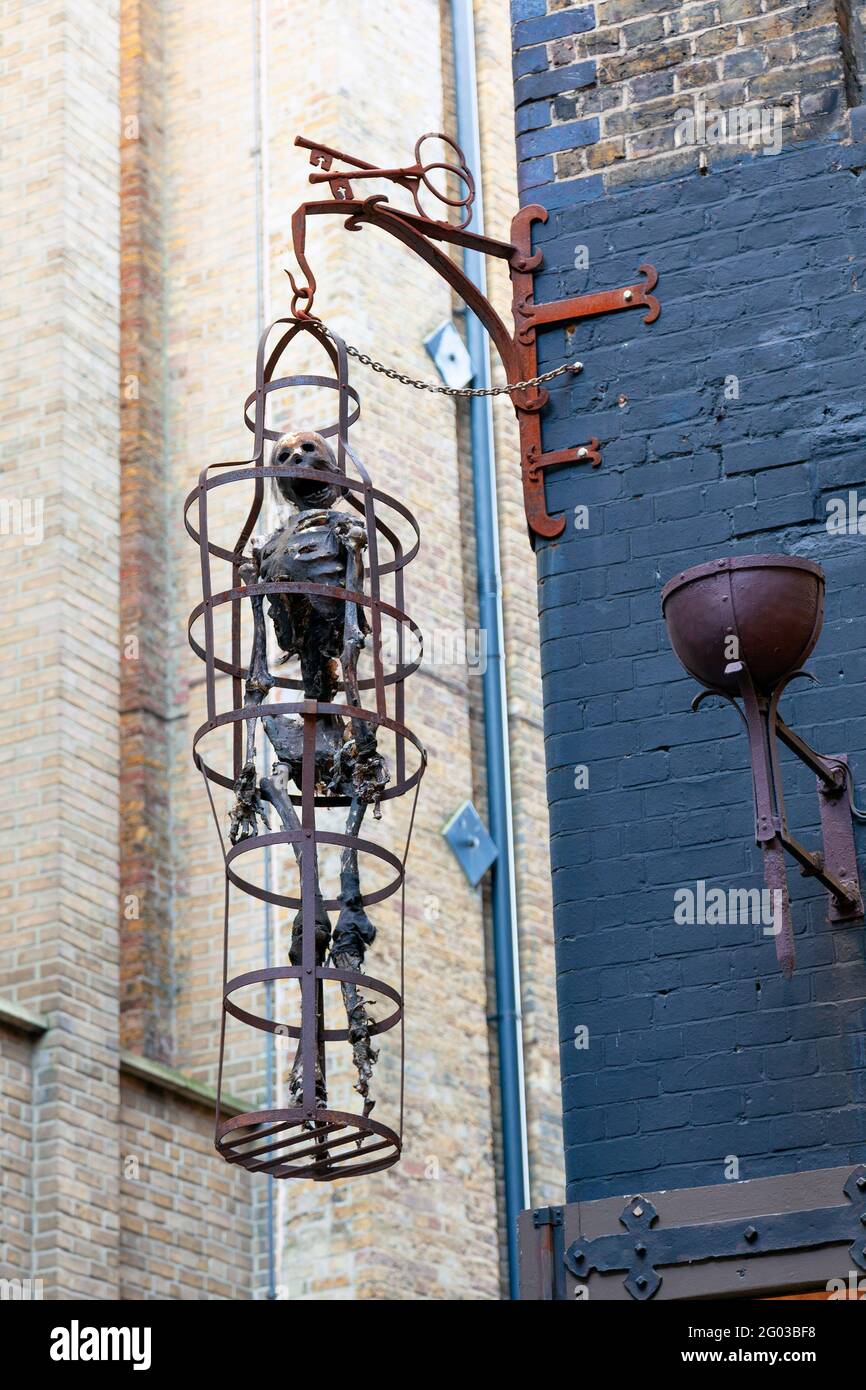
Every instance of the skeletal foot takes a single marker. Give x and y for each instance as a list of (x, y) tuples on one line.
[(364, 1055)]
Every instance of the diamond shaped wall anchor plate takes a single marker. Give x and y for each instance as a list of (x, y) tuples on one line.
[(448, 351), (470, 841)]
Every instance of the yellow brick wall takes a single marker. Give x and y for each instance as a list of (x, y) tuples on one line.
[(59, 721), (169, 1247), (16, 1156)]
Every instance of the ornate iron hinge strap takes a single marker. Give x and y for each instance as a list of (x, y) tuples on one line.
[(531, 318), (642, 1250)]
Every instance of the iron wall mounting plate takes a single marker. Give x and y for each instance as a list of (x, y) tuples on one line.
[(471, 842), (840, 853)]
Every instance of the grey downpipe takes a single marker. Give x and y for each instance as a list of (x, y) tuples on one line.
[(503, 890)]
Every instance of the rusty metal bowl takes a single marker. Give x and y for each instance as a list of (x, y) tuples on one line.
[(773, 605)]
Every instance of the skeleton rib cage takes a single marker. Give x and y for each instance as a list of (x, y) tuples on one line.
[(307, 1139)]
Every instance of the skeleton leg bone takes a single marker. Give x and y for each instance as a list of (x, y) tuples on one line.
[(275, 790), (353, 933)]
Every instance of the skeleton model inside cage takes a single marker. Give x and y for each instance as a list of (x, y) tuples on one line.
[(309, 582)]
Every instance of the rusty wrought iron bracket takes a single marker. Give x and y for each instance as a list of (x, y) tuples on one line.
[(518, 347), (642, 1249)]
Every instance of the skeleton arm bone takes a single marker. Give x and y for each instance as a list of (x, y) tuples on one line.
[(259, 682), (259, 679), (354, 540), (371, 774)]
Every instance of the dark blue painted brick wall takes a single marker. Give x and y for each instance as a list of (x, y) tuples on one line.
[(698, 1048)]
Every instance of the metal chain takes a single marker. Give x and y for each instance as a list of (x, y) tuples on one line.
[(465, 391)]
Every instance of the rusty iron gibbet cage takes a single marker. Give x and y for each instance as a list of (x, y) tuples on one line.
[(305, 1140)]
